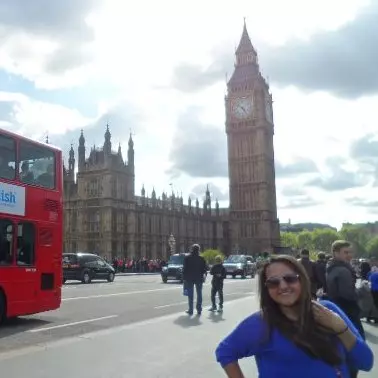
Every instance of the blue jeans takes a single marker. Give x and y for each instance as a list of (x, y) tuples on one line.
[(190, 287)]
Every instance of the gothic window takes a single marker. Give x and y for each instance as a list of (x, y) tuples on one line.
[(114, 187), (91, 246), (115, 251), (74, 220), (120, 222), (93, 188), (139, 224), (94, 221), (114, 219)]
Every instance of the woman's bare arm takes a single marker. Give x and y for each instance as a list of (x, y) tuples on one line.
[(233, 370)]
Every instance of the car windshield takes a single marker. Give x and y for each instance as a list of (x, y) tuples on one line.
[(176, 260), (235, 259)]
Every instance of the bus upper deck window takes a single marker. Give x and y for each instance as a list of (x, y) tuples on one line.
[(37, 165), (7, 157)]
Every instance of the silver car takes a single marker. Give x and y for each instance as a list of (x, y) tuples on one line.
[(240, 265)]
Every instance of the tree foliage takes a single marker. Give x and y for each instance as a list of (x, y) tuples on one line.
[(210, 254), (364, 244)]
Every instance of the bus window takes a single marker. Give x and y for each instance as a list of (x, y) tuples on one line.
[(37, 165), (25, 244), (6, 242), (7, 157)]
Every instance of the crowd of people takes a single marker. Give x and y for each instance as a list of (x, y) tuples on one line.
[(133, 265)]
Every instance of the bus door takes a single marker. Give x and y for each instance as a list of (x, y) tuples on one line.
[(25, 277)]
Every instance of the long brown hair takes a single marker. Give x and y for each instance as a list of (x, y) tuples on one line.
[(309, 336)]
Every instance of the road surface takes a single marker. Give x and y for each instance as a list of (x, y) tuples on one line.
[(134, 327)]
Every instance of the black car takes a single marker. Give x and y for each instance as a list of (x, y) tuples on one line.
[(86, 267), (173, 269)]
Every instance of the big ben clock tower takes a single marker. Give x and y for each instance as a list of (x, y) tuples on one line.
[(250, 129)]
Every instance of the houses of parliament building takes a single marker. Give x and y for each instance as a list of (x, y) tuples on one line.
[(103, 214)]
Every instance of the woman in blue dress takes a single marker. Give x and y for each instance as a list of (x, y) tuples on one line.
[(292, 336)]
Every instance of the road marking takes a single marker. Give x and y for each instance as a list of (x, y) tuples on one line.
[(171, 305), (134, 292), (71, 324), (119, 294), (185, 302)]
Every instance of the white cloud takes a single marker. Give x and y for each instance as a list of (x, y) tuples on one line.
[(134, 51), (36, 118)]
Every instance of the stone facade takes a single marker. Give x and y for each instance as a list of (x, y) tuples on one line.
[(250, 129), (102, 214)]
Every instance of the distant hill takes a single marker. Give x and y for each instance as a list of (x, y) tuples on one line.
[(298, 227)]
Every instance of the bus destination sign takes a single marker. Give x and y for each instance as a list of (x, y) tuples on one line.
[(12, 199)]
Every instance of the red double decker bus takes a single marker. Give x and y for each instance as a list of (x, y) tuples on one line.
[(31, 226)]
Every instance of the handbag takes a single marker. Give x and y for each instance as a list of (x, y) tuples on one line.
[(185, 290)]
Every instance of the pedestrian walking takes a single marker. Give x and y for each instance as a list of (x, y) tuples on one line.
[(194, 273), (219, 273)]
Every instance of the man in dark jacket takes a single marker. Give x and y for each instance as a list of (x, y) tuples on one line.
[(341, 285), (310, 269), (194, 272), (320, 271)]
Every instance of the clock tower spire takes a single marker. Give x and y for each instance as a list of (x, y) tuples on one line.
[(250, 129)]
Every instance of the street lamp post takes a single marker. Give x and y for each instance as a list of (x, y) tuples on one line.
[(172, 244)]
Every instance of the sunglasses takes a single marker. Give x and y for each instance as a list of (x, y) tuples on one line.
[(274, 282)]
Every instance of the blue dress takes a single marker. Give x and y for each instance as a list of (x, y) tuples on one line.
[(281, 358)]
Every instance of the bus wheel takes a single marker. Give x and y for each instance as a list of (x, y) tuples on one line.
[(3, 313)]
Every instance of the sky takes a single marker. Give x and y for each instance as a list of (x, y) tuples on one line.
[(158, 69)]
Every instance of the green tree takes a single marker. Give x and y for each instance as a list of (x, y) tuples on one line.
[(210, 254), (289, 239), (372, 247), (305, 240), (322, 239), (356, 235)]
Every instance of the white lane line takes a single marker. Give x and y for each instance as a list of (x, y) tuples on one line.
[(185, 302), (134, 292), (71, 324), (118, 294), (171, 305)]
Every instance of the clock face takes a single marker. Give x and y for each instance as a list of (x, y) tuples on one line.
[(241, 107)]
